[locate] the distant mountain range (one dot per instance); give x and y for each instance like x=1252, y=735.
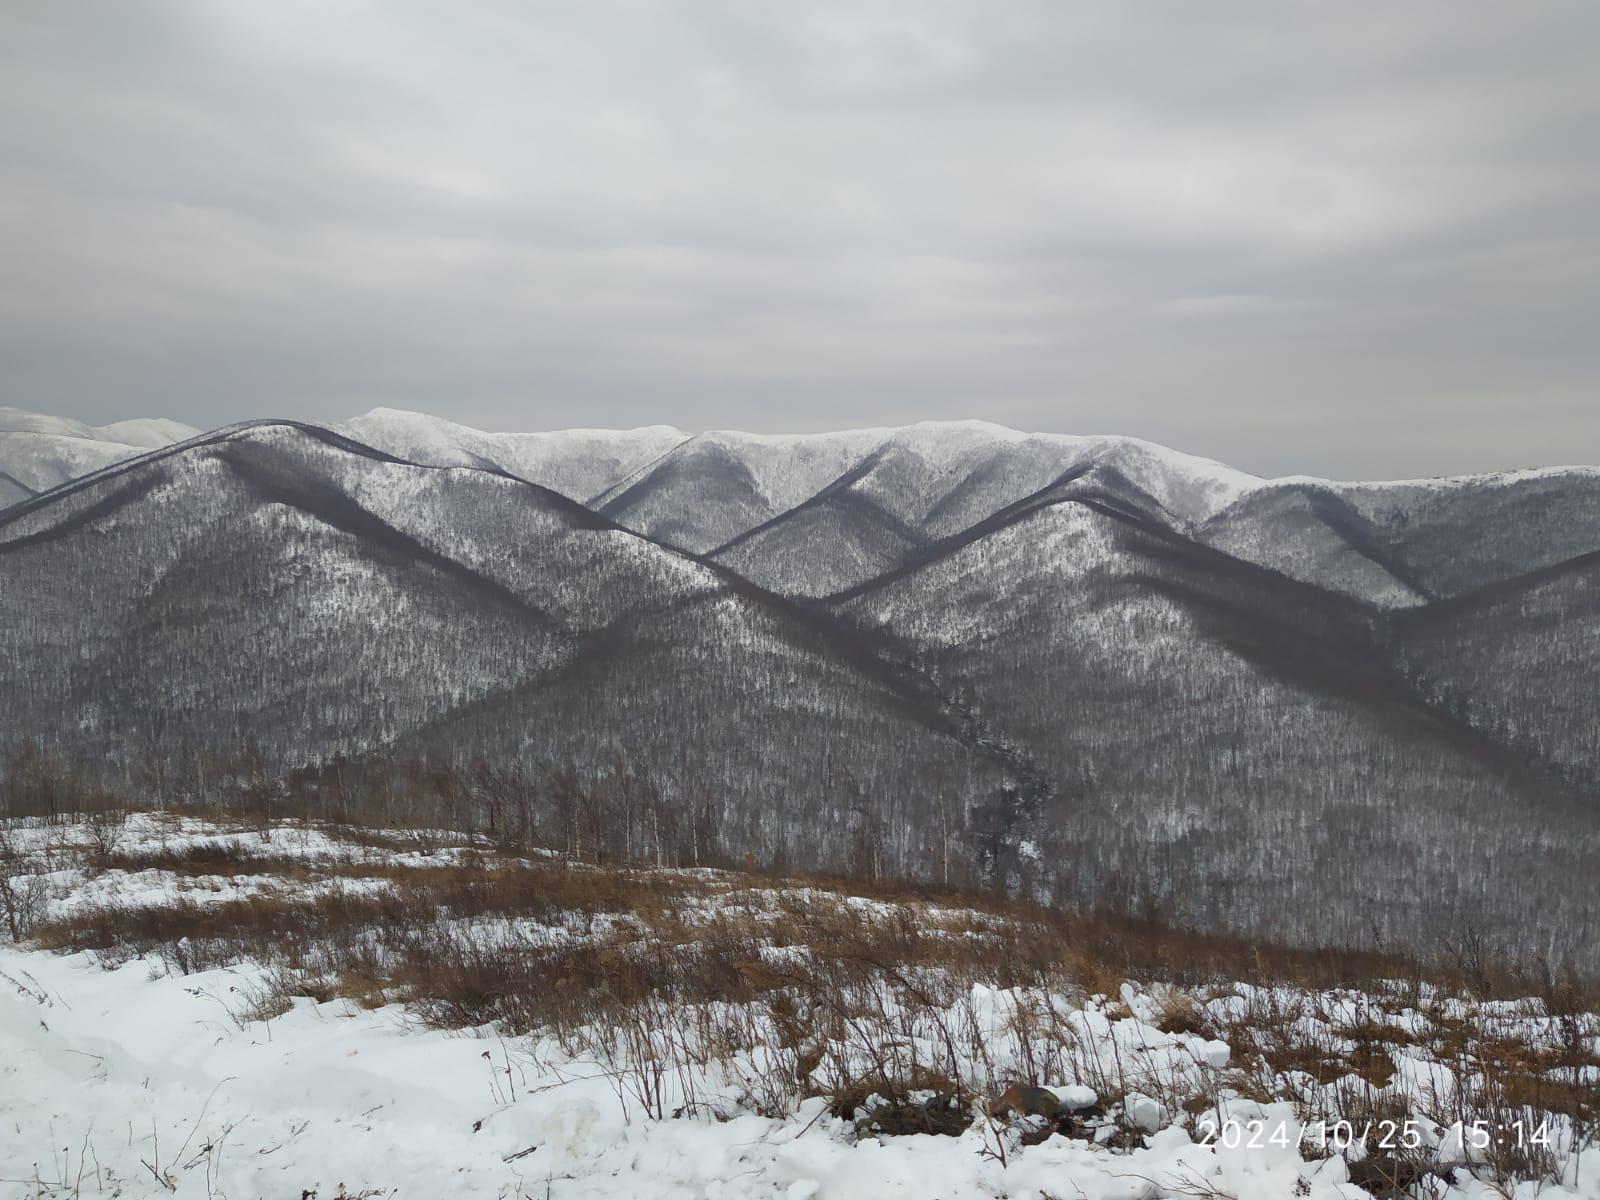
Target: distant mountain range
x=38, y=452
x=1106, y=672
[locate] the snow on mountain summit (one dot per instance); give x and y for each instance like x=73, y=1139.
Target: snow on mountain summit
x=811, y=514
x=19, y=420
x=39, y=452
x=150, y=433
x=700, y=491
x=575, y=462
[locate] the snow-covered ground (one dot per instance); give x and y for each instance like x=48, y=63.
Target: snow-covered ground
x=135, y=1080
x=156, y=1084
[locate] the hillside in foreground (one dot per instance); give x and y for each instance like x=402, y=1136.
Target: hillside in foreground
x=196, y=1008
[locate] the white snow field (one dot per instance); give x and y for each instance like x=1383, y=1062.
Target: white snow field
x=139, y=1083
x=123, y=1076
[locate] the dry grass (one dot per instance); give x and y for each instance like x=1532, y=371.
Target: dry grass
x=1180, y=1012
x=821, y=991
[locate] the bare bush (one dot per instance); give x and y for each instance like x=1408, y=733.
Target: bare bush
x=103, y=835
x=24, y=895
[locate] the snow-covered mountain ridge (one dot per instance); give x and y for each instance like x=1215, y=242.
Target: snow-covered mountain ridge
x=146, y=432
x=819, y=514
x=1069, y=658
x=600, y=466
x=39, y=452
x=788, y=467
x=430, y=436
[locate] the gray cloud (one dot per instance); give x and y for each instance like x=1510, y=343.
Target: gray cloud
x=1301, y=238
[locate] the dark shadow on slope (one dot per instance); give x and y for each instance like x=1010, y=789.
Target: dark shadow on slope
x=129, y=493
x=1324, y=642
x=626, y=645
x=598, y=501
x=1339, y=517
x=272, y=481
x=668, y=470
x=840, y=491
x=1451, y=608
x=139, y=462
x=1315, y=640
x=1104, y=489
x=575, y=512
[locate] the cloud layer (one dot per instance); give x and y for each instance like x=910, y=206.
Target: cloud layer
x=1358, y=242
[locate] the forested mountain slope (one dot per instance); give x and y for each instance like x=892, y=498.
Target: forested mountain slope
x=282, y=589
x=1520, y=659
x=1089, y=669
x=1401, y=544
x=1205, y=723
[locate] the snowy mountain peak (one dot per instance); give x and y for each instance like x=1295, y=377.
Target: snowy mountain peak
x=658, y=476
x=39, y=452
x=147, y=433
x=395, y=419
x=575, y=462
x=19, y=420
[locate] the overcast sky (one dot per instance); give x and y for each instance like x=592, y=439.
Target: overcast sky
x=1347, y=240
